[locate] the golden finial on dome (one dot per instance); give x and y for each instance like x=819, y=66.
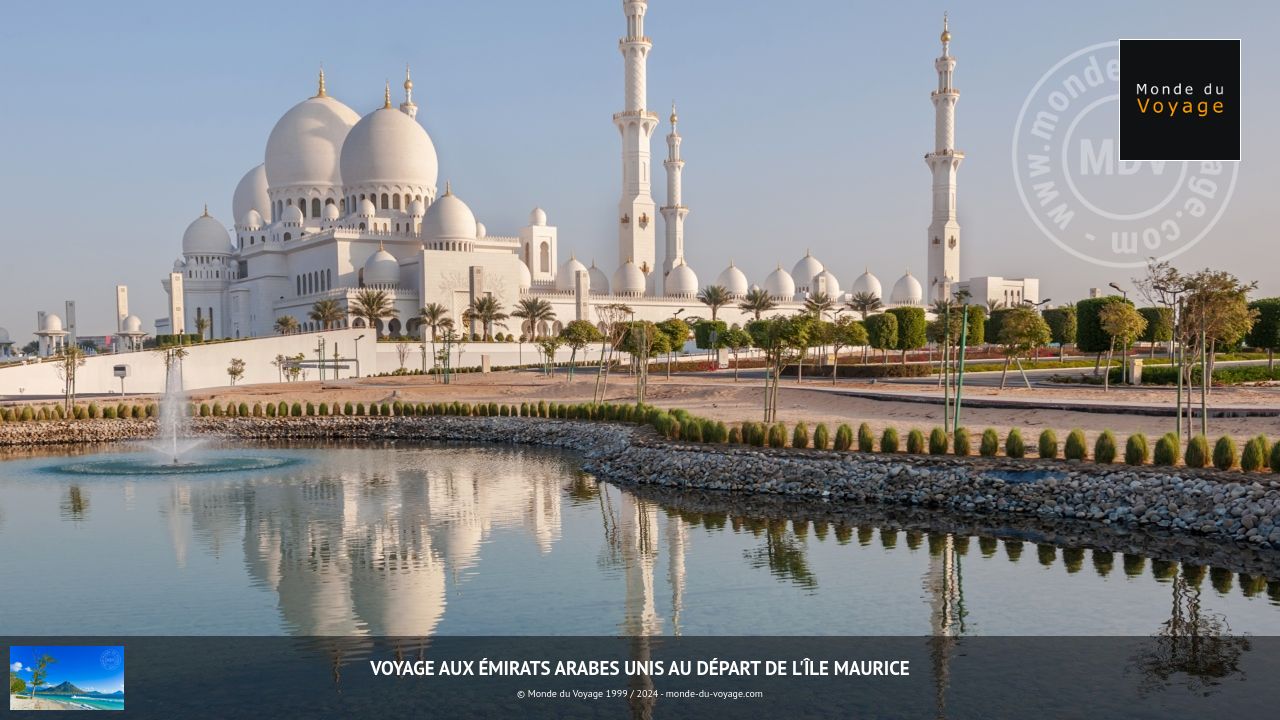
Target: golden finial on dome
x=946, y=33
x=206, y=210
x=448, y=187
x=408, y=81
x=320, y=91
x=386, y=96
x=674, y=118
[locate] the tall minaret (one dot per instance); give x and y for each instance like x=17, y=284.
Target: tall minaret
x=944, y=161
x=674, y=212
x=636, y=221
x=407, y=107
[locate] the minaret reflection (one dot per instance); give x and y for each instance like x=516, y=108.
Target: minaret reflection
x=946, y=611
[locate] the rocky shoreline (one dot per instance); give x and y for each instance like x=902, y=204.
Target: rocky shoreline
x=1231, y=508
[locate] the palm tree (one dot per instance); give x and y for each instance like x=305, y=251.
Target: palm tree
x=202, y=327
x=432, y=317
x=373, y=306
x=286, y=324
x=818, y=305
x=994, y=304
x=714, y=297
x=864, y=302
x=326, y=312
x=488, y=312
x=533, y=312
x=757, y=302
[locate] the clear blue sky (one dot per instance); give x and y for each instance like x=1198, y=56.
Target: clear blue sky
x=81, y=665
x=804, y=125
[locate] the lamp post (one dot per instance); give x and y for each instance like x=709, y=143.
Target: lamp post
x=1124, y=351
x=1176, y=360
x=358, y=339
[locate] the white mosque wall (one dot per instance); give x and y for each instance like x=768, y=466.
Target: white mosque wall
x=204, y=367
x=504, y=354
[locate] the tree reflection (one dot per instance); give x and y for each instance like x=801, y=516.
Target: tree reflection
x=784, y=555
x=1193, y=648
x=76, y=505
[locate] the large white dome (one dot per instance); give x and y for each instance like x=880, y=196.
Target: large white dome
x=779, y=285
x=568, y=274
x=305, y=145
x=389, y=148
x=599, y=281
x=206, y=236
x=381, y=269
x=251, y=194
x=449, y=218
x=52, y=324
x=733, y=280
x=628, y=280
x=868, y=283
x=805, y=270
x=907, y=291
x=133, y=324
x=682, y=282
x=526, y=277
x=833, y=284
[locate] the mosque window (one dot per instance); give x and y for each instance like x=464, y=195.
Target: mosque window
x=328, y=281
x=362, y=226
x=289, y=202
x=315, y=207
x=395, y=202
x=385, y=201
x=544, y=258
x=288, y=237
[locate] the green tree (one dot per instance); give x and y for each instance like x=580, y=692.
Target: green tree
x=714, y=297
x=845, y=332
x=677, y=332
x=40, y=672
x=326, y=313
x=1022, y=332
x=487, y=311
x=1265, y=333
x=1122, y=323
x=882, y=332
x=864, y=303
x=736, y=340
x=1062, y=326
x=1159, y=326
x=432, y=316
x=757, y=302
x=1216, y=314
x=780, y=339
x=16, y=684
x=912, y=329
x=374, y=306
x=286, y=325
x=1090, y=337
x=705, y=330
x=577, y=335
x=235, y=370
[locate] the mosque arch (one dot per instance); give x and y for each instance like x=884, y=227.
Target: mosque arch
x=315, y=207
x=544, y=257
x=288, y=237
x=386, y=202
x=393, y=327
x=358, y=323
x=395, y=201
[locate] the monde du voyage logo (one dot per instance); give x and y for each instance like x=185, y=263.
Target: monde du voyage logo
x=1126, y=150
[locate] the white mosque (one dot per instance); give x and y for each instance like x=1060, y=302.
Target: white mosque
x=343, y=202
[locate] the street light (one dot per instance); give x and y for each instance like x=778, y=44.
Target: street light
x=1171, y=292
x=1037, y=305
x=1123, y=293
x=357, y=358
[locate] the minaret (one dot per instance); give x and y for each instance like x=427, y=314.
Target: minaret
x=407, y=107
x=636, y=221
x=674, y=212
x=944, y=161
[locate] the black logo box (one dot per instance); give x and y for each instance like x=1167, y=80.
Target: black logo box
x=1187, y=68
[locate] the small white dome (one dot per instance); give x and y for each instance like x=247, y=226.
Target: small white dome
x=251, y=194
x=907, y=291
x=417, y=208
x=133, y=324
x=599, y=281
x=733, y=280
x=381, y=269
x=251, y=220
x=833, y=284
x=52, y=324
x=331, y=212
x=868, y=283
x=206, y=236
x=305, y=144
x=682, y=282
x=526, y=277
x=628, y=280
x=367, y=208
x=387, y=147
x=292, y=215
x=538, y=217
x=805, y=270
x=779, y=285
x=449, y=218
x=568, y=274
x=481, y=230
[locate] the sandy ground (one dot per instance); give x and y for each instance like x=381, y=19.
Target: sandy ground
x=812, y=401
x=26, y=703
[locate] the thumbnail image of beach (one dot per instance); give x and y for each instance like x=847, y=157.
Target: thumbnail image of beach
x=66, y=677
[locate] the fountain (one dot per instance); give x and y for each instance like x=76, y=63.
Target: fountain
x=172, y=446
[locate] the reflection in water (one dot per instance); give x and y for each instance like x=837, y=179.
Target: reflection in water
x=1193, y=647
x=76, y=505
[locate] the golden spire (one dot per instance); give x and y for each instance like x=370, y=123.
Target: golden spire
x=386, y=96
x=946, y=33
x=320, y=92
x=206, y=210
x=448, y=188
x=408, y=81
x=674, y=118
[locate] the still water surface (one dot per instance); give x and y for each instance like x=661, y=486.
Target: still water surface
x=413, y=540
